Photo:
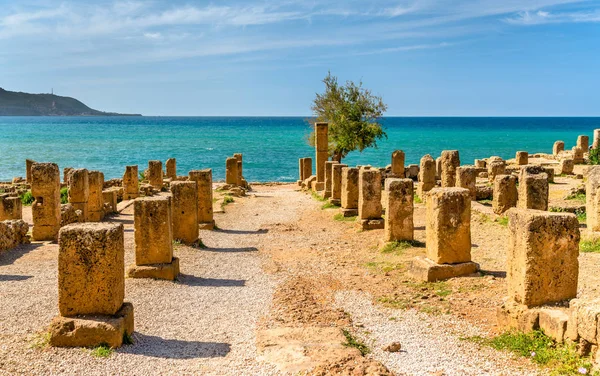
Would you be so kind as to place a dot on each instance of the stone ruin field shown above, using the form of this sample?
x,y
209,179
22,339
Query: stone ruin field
x,y
402,270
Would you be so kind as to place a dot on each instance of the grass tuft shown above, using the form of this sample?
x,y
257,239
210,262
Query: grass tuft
x,y
340,217
329,205
352,341
127,339
201,244
503,221
396,248
40,341
486,202
317,197
577,197
102,351
590,245
417,199
227,199
27,198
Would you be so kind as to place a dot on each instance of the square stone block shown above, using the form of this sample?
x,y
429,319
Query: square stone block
x,y
153,230
168,271
553,322
349,212
372,224
517,316
424,269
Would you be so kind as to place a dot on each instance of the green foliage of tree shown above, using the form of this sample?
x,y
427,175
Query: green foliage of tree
x,y
353,114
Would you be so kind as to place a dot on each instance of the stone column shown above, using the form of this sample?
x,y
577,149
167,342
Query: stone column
x,y
542,257
505,193
592,197
399,210
203,179
533,188
66,174
448,230
480,163
577,155
28,165
566,166
171,169
307,168
91,262
336,183
45,188
185,211
495,166
558,147
466,177
583,142
155,174
110,198
231,176
438,168
79,191
322,149
153,239
349,191
11,208
240,167
95,200
596,142
427,173
131,183
450,161
301,177
369,199
328,169
398,160
522,158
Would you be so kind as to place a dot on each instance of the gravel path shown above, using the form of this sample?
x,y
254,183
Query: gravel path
x,y
431,345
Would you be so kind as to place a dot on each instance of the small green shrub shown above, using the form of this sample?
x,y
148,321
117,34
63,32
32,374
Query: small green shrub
x,y
64,195
590,246
340,217
102,351
27,198
417,199
227,199
594,156
503,221
581,216
351,341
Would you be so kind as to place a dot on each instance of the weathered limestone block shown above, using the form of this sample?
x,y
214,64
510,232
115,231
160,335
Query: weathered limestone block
x,y
427,175
369,199
306,168
480,163
91,262
322,153
533,188
505,193
13,233
412,172
596,142
67,174
566,166
153,230
466,177
10,207
70,215
301,176
95,200
424,269
583,142
131,184
45,187
79,191
554,323
484,192
558,147
518,316
172,169
578,155
185,211
399,210
542,257
495,167
550,172
240,167
592,198
584,320
450,161
154,174
109,198
438,168
350,191
203,179
231,175
522,158
328,167
448,226
336,183
398,158
28,165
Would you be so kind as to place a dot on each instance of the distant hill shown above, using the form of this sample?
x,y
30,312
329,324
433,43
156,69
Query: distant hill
x,y
24,104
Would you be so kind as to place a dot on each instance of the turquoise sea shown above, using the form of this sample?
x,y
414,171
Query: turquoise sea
x,y
271,145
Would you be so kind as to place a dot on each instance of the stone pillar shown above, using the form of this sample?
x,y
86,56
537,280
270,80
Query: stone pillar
x,y
79,191
505,193
583,142
11,208
66,174
306,168
203,179
577,155
438,168
91,282
45,188
522,158
398,160
466,177
412,172
231,175
558,147
336,183
153,239
322,149
349,191
592,197
185,211
399,210
566,166
542,257
533,188
131,183
328,169
240,167
95,200
450,161
480,163
596,142
550,172
28,165
369,199
110,198
171,169
495,166
427,173
155,174
448,230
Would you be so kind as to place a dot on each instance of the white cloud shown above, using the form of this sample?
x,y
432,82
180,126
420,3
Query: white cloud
x,y
544,17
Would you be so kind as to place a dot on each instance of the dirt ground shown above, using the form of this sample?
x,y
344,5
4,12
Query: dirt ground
x,y
279,289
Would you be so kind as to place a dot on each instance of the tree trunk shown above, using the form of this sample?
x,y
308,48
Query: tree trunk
x,y
337,157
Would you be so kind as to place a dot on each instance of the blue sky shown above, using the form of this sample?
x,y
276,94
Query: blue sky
x,y
251,57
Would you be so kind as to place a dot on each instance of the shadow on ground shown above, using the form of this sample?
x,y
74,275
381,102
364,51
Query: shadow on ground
x,y
9,278
158,347
192,280
10,256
